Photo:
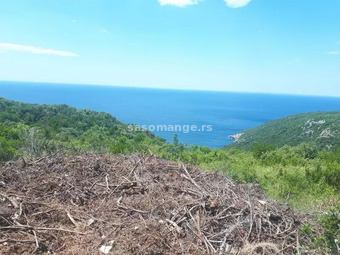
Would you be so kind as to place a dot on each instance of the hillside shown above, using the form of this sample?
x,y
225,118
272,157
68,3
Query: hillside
x,y
52,199
64,119
105,204
321,128
33,130
29,131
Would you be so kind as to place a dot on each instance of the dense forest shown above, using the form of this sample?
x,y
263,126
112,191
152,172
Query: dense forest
x,y
304,174
33,130
321,128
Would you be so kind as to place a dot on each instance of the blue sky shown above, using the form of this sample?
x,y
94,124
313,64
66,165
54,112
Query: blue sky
x,y
272,46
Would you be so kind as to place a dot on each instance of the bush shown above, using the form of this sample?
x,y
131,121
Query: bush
x,y
35,144
7,150
260,150
330,222
328,241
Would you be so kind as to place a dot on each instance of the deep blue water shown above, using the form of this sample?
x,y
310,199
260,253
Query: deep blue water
x,y
228,113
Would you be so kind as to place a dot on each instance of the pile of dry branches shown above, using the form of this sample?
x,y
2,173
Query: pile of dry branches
x,y
104,204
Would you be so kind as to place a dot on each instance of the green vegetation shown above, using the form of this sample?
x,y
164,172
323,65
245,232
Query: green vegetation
x,y
301,175
295,159
328,242
304,174
322,128
35,130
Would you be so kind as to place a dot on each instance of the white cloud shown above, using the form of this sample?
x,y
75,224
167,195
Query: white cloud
x,y
35,50
180,3
237,3
333,52
338,43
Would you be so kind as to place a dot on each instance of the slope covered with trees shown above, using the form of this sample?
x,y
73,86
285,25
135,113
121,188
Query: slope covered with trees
x,y
32,130
322,128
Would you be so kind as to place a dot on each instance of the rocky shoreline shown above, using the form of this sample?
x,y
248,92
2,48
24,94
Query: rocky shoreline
x,y
236,137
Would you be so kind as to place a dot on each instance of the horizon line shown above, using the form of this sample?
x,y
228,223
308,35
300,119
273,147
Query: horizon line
x,y
166,88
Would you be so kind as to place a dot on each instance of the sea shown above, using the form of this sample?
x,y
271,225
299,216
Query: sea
x,y
204,118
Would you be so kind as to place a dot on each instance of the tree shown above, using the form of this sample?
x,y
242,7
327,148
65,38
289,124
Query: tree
x,y
175,140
